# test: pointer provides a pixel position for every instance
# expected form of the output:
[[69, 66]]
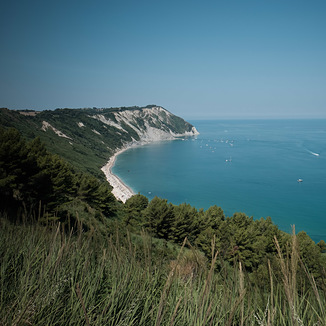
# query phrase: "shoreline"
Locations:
[[120, 190]]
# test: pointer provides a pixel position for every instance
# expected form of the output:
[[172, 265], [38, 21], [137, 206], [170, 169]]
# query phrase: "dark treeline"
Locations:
[[34, 182], [40, 186], [238, 238]]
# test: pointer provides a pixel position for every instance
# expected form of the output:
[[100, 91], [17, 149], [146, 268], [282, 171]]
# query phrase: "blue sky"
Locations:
[[198, 59]]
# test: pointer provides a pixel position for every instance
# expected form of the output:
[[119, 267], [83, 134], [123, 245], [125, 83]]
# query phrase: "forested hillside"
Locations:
[[35, 184], [87, 138]]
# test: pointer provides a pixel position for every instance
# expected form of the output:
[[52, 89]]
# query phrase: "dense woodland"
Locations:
[[102, 255]]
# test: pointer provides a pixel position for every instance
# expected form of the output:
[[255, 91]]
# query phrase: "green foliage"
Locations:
[[13, 154], [158, 218], [52, 277], [133, 210], [322, 246], [185, 223], [95, 193], [31, 178], [238, 238], [209, 228], [310, 253], [19, 172]]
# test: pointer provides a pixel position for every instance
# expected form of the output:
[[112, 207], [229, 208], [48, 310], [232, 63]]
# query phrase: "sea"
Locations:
[[262, 168]]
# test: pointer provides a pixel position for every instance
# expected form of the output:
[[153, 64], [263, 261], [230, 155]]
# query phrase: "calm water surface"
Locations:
[[242, 166]]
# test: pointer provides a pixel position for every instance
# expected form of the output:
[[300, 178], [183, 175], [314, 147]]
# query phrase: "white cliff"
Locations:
[[156, 124], [146, 131]]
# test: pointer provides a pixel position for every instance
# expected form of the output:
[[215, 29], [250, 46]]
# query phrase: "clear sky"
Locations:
[[198, 59]]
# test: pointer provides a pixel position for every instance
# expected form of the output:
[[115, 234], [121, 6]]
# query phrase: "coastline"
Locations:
[[120, 190]]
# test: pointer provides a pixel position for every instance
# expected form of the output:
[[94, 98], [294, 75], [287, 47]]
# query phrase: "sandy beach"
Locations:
[[120, 190]]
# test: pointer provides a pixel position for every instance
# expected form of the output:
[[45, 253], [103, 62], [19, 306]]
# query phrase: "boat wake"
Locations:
[[311, 152], [315, 154]]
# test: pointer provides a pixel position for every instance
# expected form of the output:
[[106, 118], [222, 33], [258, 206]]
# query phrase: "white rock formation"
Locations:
[[46, 125], [146, 133]]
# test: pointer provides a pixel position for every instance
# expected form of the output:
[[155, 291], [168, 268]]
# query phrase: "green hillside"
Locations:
[[82, 138]]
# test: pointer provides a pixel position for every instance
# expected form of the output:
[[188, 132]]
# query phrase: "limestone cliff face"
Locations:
[[149, 124], [87, 138]]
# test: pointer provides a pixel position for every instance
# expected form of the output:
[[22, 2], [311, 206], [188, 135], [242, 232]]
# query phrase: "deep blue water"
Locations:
[[249, 166]]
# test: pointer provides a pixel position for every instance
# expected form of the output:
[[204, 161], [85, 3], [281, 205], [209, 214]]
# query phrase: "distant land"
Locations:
[[88, 137]]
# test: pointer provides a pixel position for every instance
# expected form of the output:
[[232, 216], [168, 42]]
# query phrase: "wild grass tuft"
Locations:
[[49, 276]]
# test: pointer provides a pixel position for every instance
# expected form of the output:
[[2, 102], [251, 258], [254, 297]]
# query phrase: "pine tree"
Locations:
[[158, 218], [185, 223], [133, 208]]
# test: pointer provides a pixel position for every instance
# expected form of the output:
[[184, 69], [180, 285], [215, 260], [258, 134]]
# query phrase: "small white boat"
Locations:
[[300, 180]]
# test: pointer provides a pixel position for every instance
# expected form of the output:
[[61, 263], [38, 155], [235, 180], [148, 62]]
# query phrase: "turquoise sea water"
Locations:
[[249, 166]]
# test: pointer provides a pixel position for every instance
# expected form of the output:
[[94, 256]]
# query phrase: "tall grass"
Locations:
[[49, 277]]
